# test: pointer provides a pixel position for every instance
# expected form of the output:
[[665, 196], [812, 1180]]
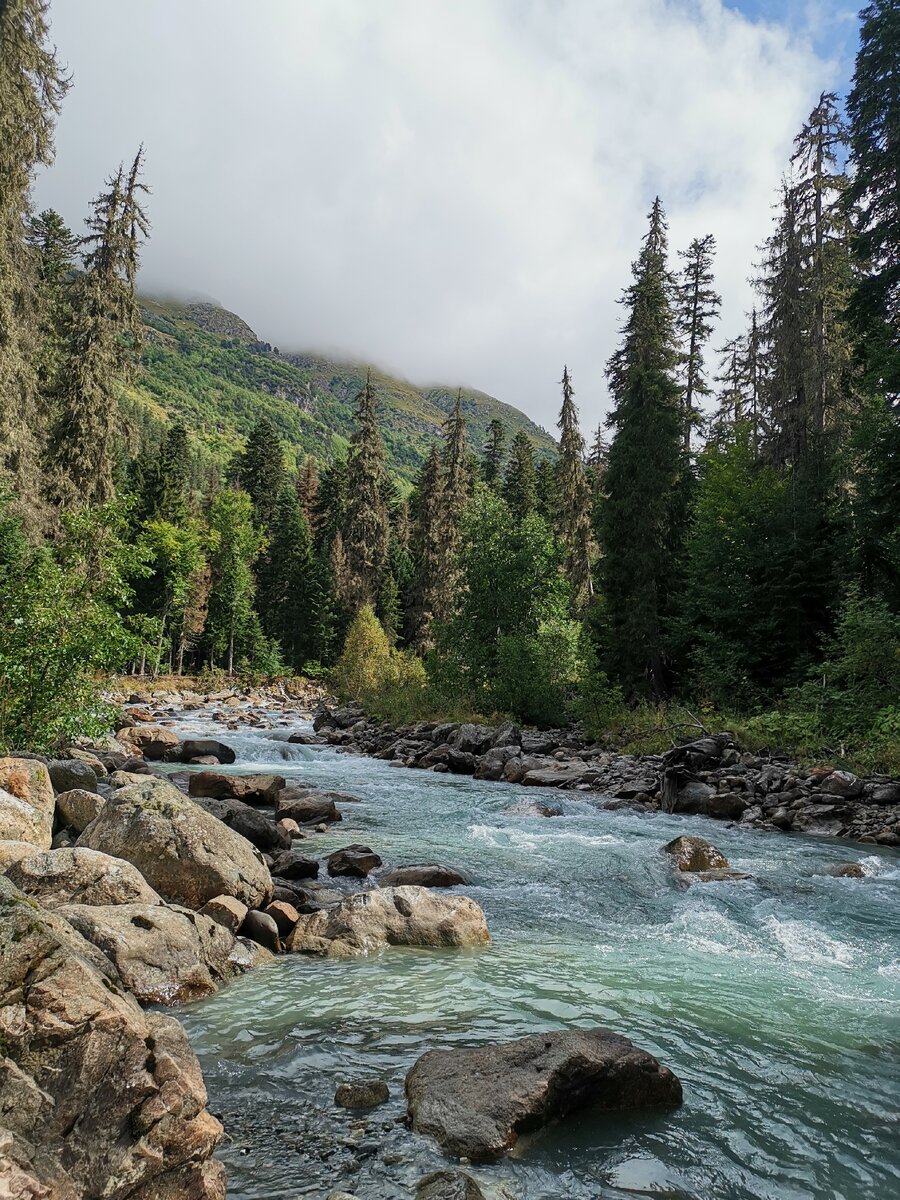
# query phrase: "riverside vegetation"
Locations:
[[725, 555]]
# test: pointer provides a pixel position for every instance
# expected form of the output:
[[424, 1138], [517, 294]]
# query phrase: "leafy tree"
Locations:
[[365, 657], [873, 194], [103, 341], [639, 521], [234, 543], [494, 453], [519, 484], [574, 499], [367, 527], [697, 307], [176, 552]]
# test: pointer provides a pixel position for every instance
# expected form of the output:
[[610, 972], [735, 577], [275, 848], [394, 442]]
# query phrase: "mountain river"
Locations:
[[775, 1000]]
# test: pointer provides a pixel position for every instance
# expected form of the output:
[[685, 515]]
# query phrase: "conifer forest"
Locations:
[[706, 584]]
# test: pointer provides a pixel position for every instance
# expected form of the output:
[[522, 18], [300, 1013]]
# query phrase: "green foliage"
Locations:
[[365, 658]]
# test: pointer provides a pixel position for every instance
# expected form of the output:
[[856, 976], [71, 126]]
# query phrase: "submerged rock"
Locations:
[[97, 1097], [430, 875], [355, 861], [184, 853], [845, 870], [458, 1185], [362, 1093], [400, 916], [695, 854], [476, 1102]]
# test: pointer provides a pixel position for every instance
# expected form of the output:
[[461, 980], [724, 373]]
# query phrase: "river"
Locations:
[[775, 1000]]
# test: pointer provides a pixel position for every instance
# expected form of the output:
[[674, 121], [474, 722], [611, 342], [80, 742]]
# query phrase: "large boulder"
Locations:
[[26, 802], [68, 773], [192, 748], [252, 789], [356, 861], [262, 832], [163, 955], [472, 739], [422, 875], [153, 741], [402, 916], [307, 807], [97, 1097], [183, 852], [78, 807], [80, 876], [13, 852], [695, 854], [475, 1103]]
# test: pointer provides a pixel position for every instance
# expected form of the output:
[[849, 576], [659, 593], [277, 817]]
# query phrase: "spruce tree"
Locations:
[[367, 526], [32, 86], [102, 346], [646, 468], [519, 483], [308, 491], [573, 499], [698, 305], [288, 596], [261, 472], [430, 598], [53, 247], [164, 487], [873, 195], [456, 466], [494, 453], [234, 544]]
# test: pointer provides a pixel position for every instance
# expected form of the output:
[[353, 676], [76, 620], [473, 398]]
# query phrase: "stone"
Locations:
[[153, 741], [422, 875], [13, 852], [98, 1097], [457, 1185], [476, 1102], [507, 735], [260, 927], [250, 823], [307, 808], [886, 793], [225, 911], [78, 807], [841, 783], [80, 876], [290, 827], [472, 739], [356, 861], [563, 775], [461, 762], [294, 866], [27, 803], [163, 954], [401, 916], [362, 1093], [184, 853], [87, 756], [284, 914], [845, 870], [715, 875], [695, 854], [204, 748], [68, 773], [533, 808], [252, 789]]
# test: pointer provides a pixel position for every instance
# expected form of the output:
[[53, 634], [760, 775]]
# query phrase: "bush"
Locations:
[[365, 660], [536, 675]]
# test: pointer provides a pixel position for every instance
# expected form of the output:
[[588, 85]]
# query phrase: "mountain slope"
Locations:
[[206, 366]]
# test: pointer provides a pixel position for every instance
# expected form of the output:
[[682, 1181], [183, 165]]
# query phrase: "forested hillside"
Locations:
[[205, 367]]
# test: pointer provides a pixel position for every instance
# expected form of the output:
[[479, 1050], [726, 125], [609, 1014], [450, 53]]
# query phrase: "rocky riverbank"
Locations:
[[710, 776]]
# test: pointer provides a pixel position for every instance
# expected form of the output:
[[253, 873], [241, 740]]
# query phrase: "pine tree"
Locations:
[[873, 108], [646, 467], [494, 453], [367, 526], [260, 471], [573, 499], [164, 487], [102, 346], [430, 599], [287, 587], [456, 468], [330, 511], [32, 86], [698, 305], [308, 492], [519, 483]]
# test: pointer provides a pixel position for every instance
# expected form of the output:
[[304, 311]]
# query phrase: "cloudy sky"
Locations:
[[451, 188]]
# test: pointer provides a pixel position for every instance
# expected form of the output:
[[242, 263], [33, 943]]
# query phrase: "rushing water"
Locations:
[[776, 1001]]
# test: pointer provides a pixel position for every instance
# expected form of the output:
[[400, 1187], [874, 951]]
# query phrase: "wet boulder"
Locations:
[[164, 955], [458, 1185], [362, 1093], [261, 928], [307, 807], [251, 789], [845, 870], [356, 861], [476, 1102], [289, 865], [27, 803], [183, 852], [430, 875], [80, 876], [192, 748], [695, 854], [98, 1097], [401, 916]]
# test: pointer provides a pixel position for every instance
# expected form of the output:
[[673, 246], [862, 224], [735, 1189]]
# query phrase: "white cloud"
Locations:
[[454, 188]]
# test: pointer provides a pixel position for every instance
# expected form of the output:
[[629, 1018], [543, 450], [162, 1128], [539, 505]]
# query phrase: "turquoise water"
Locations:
[[776, 1001]]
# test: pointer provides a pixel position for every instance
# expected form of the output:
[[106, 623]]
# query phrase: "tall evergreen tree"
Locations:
[[53, 246], [698, 305], [234, 544], [494, 453], [574, 499], [32, 85], [646, 467], [103, 344], [288, 596], [261, 471], [456, 468], [519, 484], [164, 485], [367, 526], [308, 491], [430, 600], [873, 108]]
